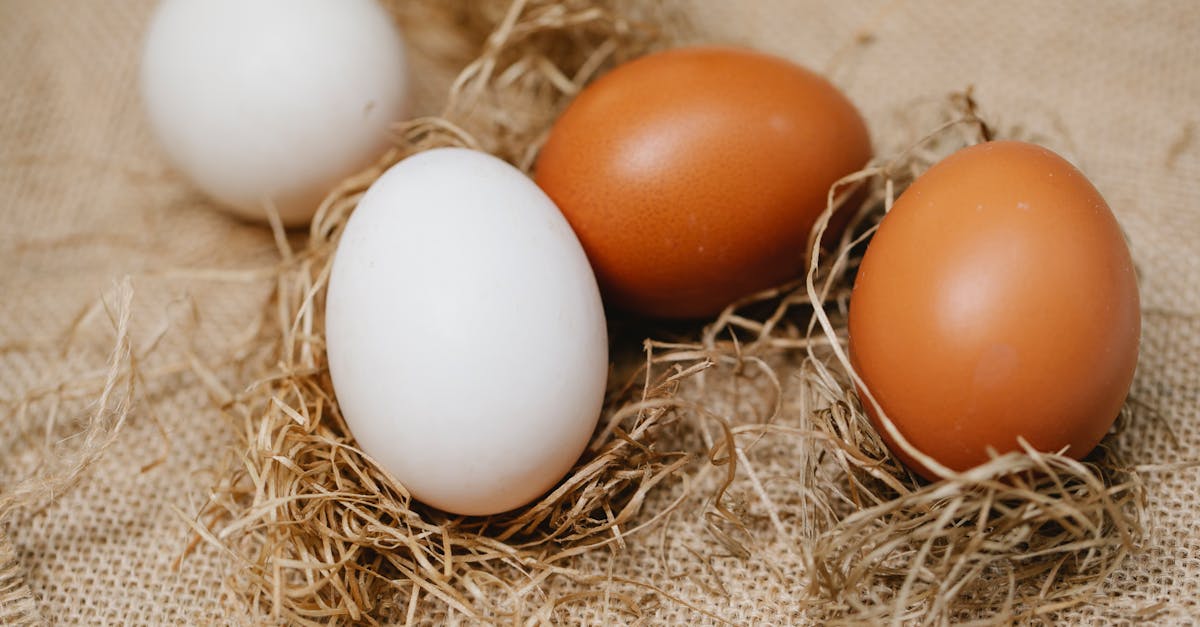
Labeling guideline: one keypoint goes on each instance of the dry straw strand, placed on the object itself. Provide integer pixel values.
(61, 429)
(65, 460)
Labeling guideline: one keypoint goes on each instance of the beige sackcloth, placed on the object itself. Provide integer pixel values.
(86, 198)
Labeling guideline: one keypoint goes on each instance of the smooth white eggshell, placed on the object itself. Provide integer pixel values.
(273, 101)
(465, 333)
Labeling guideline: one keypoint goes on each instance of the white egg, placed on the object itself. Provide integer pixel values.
(465, 333)
(273, 101)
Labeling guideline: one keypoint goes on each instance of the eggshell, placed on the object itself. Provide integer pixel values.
(694, 176)
(997, 300)
(272, 101)
(466, 337)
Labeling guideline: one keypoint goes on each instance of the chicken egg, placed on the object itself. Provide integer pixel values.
(693, 176)
(272, 102)
(997, 301)
(465, 333)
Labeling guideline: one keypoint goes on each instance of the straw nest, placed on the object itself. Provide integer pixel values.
(318, 533)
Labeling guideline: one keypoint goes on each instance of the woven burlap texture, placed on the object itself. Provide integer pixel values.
(88, 198)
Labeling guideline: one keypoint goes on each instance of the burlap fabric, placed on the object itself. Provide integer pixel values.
(86, 198)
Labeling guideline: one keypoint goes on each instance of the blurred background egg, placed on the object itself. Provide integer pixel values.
(997, 300)
(272, 101)
(465, 333)
(694, 176)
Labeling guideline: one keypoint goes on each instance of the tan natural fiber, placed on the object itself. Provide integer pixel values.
(17, 607)
(59, 431)
(64, 451)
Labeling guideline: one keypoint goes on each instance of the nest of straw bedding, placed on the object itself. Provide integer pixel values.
(317, 533)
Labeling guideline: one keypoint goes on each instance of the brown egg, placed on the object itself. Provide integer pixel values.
(997, 300)
(694, 176)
